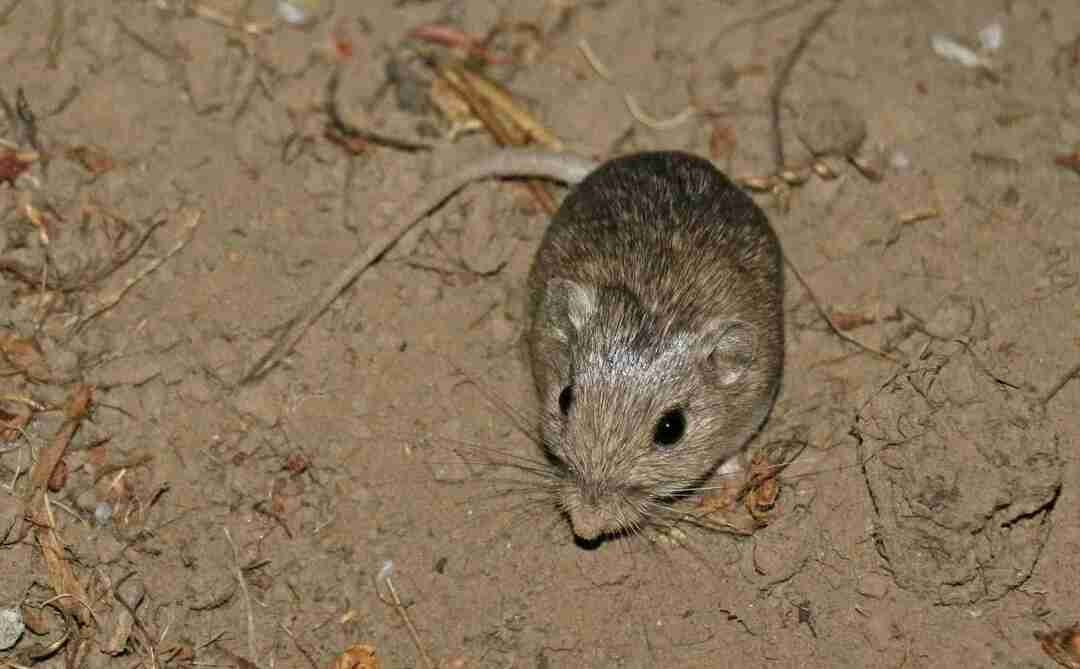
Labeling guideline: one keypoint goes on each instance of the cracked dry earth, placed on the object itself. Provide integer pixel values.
(932, 520)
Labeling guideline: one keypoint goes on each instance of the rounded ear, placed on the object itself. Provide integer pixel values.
(568, 305)
(727, 348)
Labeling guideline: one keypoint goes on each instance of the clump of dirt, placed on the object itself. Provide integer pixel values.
(964, 473)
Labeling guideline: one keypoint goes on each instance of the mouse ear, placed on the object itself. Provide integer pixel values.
(728, 347)
(568, 305)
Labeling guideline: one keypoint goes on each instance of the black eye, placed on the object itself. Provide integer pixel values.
(566, 398)
(670, 428)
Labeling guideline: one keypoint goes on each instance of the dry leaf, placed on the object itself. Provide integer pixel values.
(93, 159)
(357, 656)
(11, 424)
(762, 496)
(846, 320)
(1070, 160)
(1063, 645)
(14, 163)
(62, 577)
(23, 354)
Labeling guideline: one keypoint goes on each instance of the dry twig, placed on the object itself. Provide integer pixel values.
(490, 104)
(347, 135)
(191, 218)
(1061, 383)
(824, 313)
(395, 602)
(783, 76)
(239, 574)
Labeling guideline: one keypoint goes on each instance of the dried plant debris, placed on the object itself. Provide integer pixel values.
(963, 474)
(93, 159)
(743, 500)
(1063, 645)
(357, 656)
(1067, 160)
(13, 163)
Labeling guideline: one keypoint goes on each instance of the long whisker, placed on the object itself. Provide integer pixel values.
(524, 421)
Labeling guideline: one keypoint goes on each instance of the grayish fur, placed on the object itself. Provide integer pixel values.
(657, 286)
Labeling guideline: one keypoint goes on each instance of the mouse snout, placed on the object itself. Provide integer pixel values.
(596, 512)
(588, 522)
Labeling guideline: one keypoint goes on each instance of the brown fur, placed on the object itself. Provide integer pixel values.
(658, 286)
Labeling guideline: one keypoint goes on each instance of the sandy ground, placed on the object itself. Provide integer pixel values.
(932, 520)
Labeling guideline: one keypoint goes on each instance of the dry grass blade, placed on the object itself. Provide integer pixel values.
(783, 76)
(191, 219)
(37, 511)
(491, 104)
(395, 602)
(239, 574)
(501, 100)
(1062, 645)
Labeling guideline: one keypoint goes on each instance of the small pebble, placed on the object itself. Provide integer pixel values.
(992, 36)
(953, 51)
(11, 627)
(899, 161)
(103, 513)
(298, 12)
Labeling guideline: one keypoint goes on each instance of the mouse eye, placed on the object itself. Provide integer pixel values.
(670, 428)
(566, 398)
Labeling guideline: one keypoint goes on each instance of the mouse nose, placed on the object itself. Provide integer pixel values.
(588, 523)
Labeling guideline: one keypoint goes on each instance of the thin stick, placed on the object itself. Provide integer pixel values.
(776, 91)
(299, 646)
(1056, 388)
(563, 167)
(194, 218)
(25, 272)
(400, 608)
(754, 20)
(828, 319)
(56, 35)
(347, 131)
(244, 591)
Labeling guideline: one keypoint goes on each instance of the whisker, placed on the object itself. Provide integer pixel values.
(528, 496)
(524, 421)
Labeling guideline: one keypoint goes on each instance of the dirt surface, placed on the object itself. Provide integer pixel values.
(933, 518)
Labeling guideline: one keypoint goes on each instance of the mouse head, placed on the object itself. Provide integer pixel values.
(638, 410)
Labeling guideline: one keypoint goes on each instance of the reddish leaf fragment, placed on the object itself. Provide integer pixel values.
(14, 163)
(1070, 160)
(452, 37)
(1062, 645)
(93, 160)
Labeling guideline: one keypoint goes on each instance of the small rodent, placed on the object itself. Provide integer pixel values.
(656, 336)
